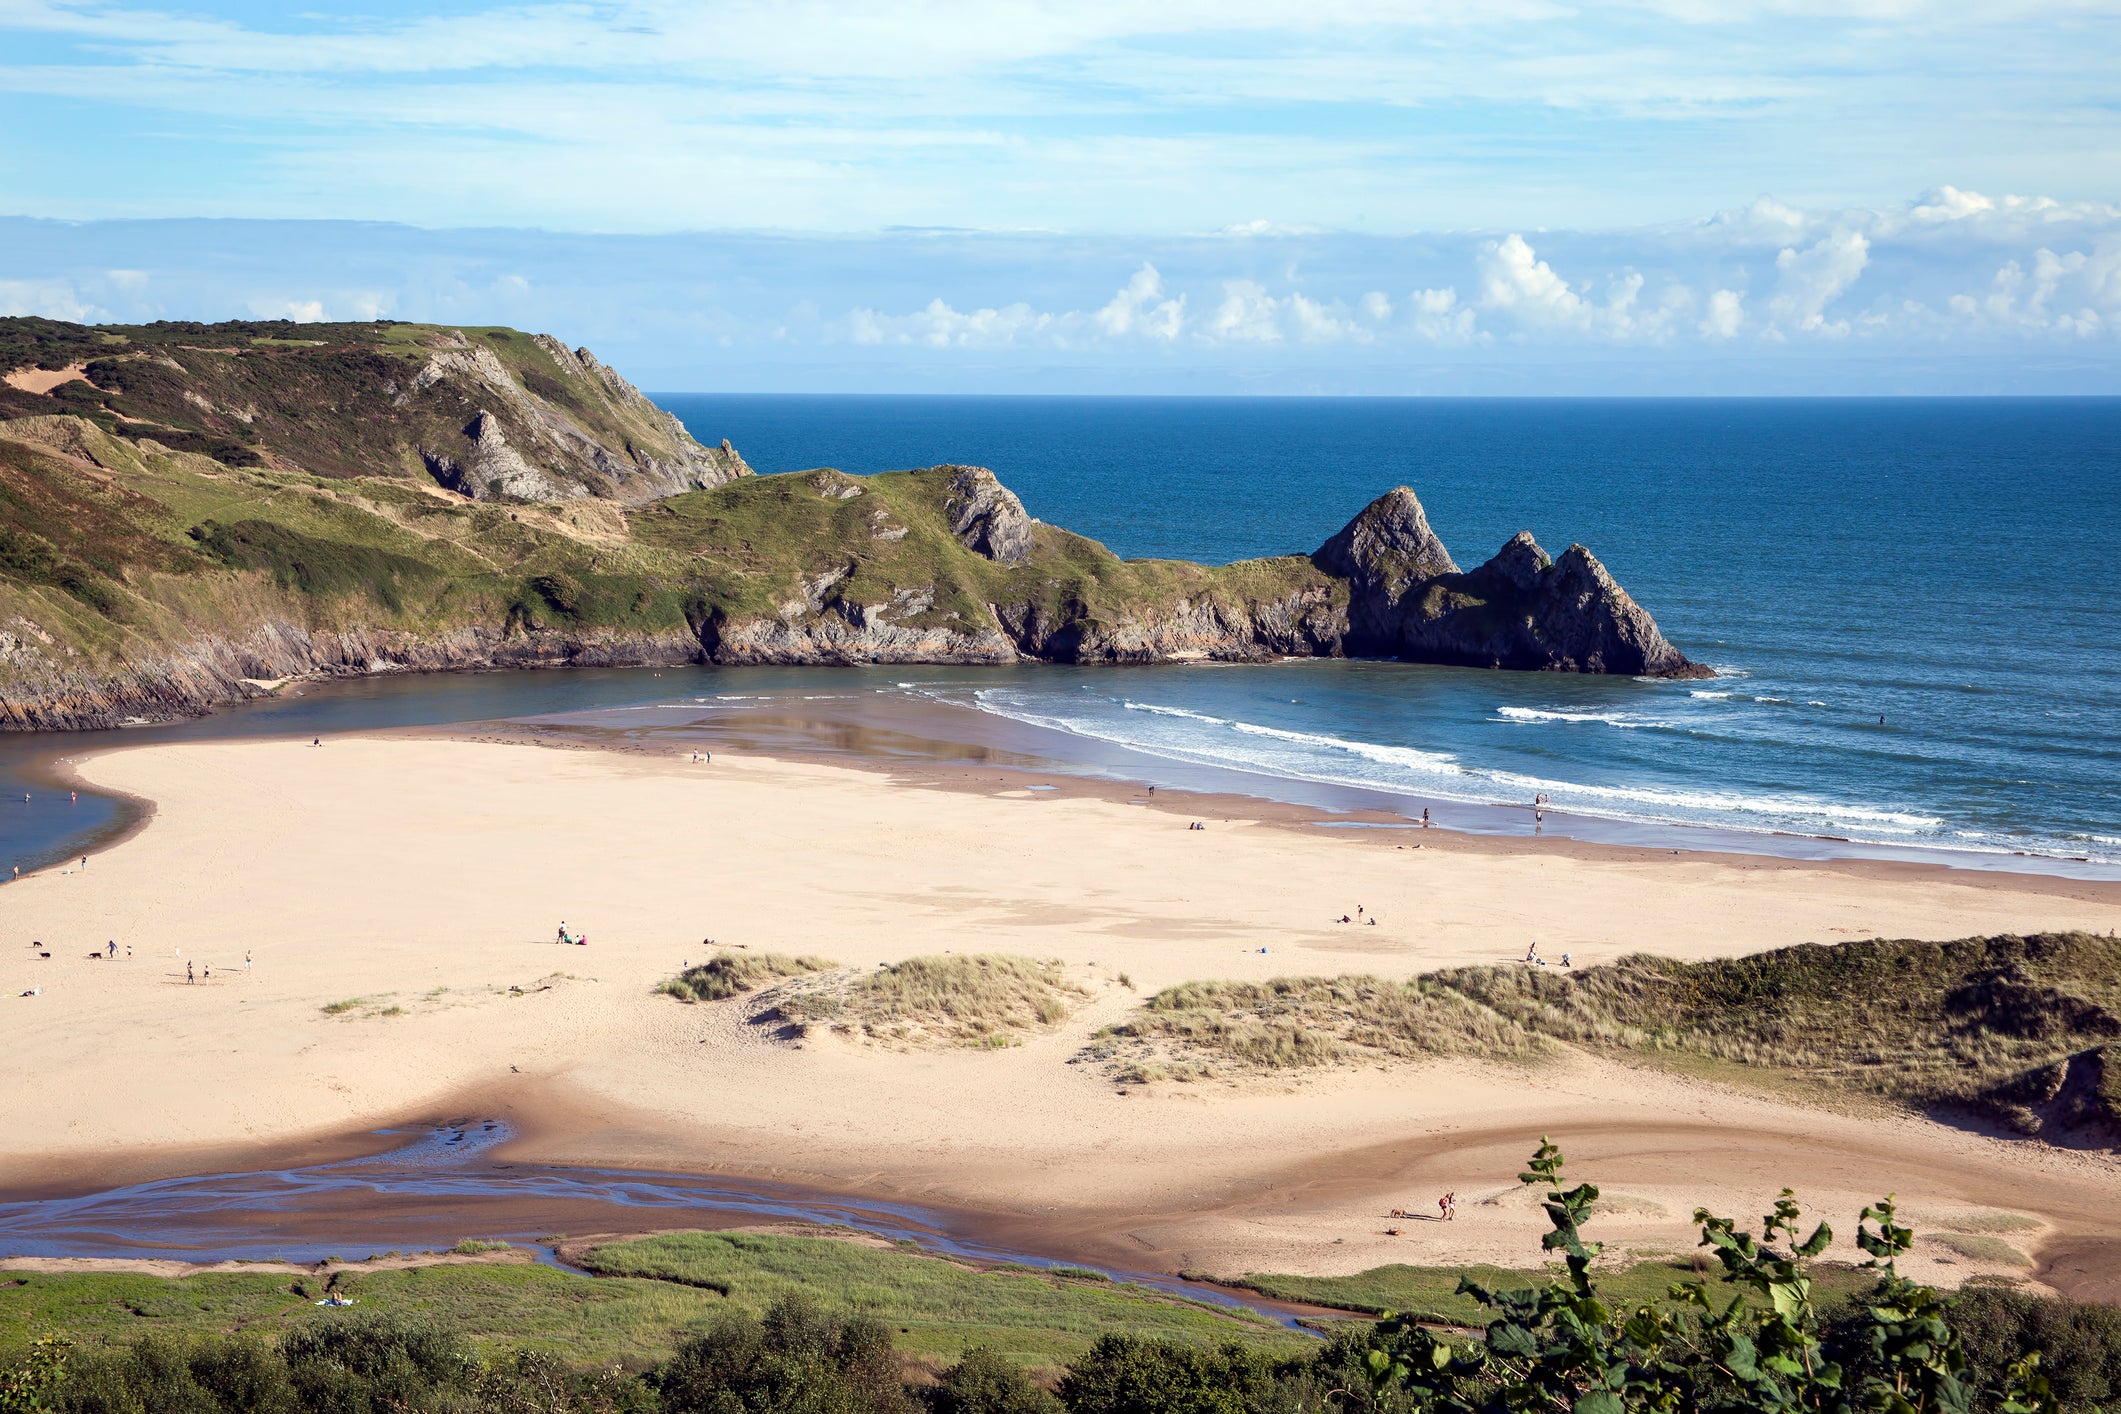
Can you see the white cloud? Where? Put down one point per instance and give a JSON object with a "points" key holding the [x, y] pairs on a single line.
{"points": [[1726, 315], [308, 311], [1141, 308], [1440, 319], [1950, 204], [1319, 323], [47, 299], [1513, 279], [938, 326], [1246, 315], [1376, 307], [1516, 283], [2075, 294], [1811, 279]]}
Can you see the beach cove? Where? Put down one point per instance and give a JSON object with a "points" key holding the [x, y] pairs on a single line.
{"points": [[398, 896]]}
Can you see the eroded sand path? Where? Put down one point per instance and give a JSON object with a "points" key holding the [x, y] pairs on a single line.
{"points": [[419, 881]]}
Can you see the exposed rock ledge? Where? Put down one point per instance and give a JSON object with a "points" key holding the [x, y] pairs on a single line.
{"points": [[1384, 586]]}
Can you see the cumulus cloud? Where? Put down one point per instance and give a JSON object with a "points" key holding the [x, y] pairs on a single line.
{"points": [[308, 311], [1811, 279], [1725, 317], [1516, 283], [1141, 308], [48, 299], [1515, 280], [2075, 294], [1246, 315], [938, 326], [1440, 319]]}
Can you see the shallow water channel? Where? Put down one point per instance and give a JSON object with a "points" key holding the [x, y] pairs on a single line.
{"points": [[442, 1185]]}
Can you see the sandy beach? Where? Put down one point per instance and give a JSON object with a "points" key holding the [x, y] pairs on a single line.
{"points": [[422, 880]]}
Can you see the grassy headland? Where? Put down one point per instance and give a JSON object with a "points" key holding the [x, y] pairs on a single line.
{"points": [[263, 500]]}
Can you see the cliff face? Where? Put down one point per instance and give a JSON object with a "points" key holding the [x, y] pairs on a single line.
{"points": [[487, 413], [142, 579]]}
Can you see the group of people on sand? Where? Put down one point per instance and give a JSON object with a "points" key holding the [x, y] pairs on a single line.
{"points": [[1532, 957], [567, 939], [1446, 1211], [1360, 917]]}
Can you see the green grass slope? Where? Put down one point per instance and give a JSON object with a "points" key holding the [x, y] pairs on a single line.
{"points": [[645, 1297]]}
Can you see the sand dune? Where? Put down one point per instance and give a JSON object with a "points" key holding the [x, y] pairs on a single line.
{"points": [[421, 882]]}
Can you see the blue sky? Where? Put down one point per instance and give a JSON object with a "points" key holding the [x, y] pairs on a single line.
{"points": [[1337, 195]]}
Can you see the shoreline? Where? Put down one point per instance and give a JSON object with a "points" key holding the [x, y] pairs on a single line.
{"points": [[1378, 829], [1493, 820], [795, 855]]}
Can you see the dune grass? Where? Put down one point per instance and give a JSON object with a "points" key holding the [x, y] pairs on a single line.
{"points": [[974, 999], [1299, 1022], [1989, 1023], [727, 974]]}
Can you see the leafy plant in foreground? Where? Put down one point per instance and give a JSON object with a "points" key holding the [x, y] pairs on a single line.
{"points": [[1560, 1347]]}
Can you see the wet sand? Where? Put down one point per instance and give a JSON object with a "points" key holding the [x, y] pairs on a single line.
{"points": [[422, 879]]}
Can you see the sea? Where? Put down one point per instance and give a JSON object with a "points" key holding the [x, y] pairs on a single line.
{"points": [[1910, 606]]}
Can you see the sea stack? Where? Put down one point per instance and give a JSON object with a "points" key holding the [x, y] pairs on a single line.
{"points": [[1522, 609]]}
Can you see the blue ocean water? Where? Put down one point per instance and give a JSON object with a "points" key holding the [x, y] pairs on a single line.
{"points": [[1909, 602]]}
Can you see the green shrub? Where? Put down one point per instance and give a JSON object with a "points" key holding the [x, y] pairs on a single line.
{"points": [[2079, 1343], [982, 1382], [1127, 1375], [797, 1360]]}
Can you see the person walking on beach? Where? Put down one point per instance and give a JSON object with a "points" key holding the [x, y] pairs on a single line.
{"points": [[111, 948], [1425, 817], [188, 978], [1450, 1207]]}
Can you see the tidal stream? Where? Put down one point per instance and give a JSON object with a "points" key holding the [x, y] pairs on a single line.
{"points": [[443, 1185]]}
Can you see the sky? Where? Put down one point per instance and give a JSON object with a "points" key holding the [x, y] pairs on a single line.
{"points": [[1352, 196]]}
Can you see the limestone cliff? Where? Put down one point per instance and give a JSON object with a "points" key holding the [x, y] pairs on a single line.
{"points": [[148, 571]]}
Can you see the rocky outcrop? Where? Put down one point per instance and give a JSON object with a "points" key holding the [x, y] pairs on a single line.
{"points": [[1408, 599], [824, 626], [46, 691], [690, 466], [495, 469], [986, 516], [1305, 624]]}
